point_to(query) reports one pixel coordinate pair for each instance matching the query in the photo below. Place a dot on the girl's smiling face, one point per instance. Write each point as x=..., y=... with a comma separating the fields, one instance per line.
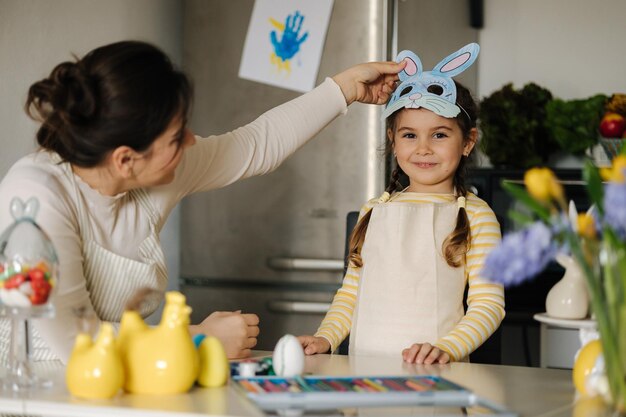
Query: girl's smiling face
x=428, y=148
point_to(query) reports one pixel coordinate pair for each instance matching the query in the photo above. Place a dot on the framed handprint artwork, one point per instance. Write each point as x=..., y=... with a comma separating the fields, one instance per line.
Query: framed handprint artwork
x=284, y=42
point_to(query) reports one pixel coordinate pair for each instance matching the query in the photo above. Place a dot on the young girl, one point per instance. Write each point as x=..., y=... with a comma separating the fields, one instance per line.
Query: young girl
x=415, y=247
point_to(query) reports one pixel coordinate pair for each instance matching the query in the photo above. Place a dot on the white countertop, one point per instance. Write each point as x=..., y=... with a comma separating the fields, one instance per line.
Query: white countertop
x=524, y=391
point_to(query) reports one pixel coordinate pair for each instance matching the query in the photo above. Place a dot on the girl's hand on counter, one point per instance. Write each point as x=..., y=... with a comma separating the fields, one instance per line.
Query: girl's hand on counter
x=238, y=332
x=425, y=353
x=370, y=83
x=313, y=345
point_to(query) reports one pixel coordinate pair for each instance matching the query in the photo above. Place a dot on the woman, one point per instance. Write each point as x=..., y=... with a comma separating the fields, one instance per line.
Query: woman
x=116, y=157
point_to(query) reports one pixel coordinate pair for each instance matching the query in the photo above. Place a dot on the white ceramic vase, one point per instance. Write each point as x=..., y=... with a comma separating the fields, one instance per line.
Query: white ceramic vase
x=568, y=299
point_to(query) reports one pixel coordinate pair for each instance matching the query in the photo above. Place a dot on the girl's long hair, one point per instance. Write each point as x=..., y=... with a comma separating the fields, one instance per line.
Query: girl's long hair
x=457, y=243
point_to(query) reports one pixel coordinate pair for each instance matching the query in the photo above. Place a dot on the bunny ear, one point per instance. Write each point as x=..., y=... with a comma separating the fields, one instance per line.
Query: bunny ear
x=31, y=208
x=16, y=207
x=459, y=61
x=413, y=65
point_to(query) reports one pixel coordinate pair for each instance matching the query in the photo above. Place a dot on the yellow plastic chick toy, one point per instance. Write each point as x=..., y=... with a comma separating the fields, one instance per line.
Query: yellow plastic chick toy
x=214, y=365
x=94, y=370
x=162, y=359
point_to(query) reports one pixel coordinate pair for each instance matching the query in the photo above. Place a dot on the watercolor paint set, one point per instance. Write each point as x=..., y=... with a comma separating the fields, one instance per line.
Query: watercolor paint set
x=313, y=392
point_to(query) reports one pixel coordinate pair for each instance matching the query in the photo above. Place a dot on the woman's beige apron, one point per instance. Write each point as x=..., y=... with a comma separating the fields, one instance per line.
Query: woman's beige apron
x=112, y=279
x=407, y=291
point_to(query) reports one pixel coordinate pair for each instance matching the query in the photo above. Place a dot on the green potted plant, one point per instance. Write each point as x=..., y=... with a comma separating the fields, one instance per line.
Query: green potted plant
x=514, y=132
x=574, y=123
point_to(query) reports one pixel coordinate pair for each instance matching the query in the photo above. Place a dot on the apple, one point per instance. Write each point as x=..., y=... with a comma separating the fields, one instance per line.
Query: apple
x=612, y=125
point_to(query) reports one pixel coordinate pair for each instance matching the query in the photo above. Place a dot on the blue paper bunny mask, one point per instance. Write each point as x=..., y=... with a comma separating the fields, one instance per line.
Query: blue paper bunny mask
x=413, y=91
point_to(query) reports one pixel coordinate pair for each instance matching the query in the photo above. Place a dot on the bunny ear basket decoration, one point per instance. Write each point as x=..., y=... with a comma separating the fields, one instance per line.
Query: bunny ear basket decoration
x=433, y=90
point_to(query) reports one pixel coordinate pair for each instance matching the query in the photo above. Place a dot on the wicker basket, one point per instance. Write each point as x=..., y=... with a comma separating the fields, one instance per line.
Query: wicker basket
x=612, y=146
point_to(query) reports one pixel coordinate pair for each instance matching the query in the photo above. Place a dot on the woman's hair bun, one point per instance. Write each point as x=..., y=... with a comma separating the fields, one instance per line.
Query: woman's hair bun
x=121, y=94
x=73, y=96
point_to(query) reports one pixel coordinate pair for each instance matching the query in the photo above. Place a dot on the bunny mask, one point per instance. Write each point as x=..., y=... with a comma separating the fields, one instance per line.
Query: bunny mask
x=413, y=91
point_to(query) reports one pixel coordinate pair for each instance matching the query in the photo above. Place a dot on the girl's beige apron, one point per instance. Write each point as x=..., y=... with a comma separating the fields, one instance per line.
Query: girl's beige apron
x=407, y=291
x=111, y=279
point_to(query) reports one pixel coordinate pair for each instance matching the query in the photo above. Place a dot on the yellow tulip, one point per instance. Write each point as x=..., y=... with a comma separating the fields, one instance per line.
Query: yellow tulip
x=586, y=226
x=616, y=172
x=543, y=185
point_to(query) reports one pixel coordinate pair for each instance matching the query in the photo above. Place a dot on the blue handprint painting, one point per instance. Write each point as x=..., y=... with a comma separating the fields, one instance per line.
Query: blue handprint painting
x=285, y=41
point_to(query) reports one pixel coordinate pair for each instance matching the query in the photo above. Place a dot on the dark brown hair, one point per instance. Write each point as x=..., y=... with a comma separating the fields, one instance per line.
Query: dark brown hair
x=121, y=94
x=457, y=243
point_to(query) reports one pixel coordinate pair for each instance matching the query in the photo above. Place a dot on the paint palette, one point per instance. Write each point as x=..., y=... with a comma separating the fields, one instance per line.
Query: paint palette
x=313, y=392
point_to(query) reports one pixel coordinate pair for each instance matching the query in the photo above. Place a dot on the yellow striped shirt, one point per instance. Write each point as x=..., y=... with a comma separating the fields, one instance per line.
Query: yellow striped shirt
x=485, y=299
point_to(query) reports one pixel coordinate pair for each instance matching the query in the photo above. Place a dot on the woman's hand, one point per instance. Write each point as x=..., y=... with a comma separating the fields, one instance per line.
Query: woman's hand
x=313, y=345
x=371, y=83
x=425, y=353
x=236, y=331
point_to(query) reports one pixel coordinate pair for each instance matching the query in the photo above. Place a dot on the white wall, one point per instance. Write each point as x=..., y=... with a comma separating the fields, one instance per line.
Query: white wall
x=35, y=35
x=574, y=48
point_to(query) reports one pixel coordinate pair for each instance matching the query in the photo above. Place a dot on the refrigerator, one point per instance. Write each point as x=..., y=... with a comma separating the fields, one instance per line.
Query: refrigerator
x=274, y=245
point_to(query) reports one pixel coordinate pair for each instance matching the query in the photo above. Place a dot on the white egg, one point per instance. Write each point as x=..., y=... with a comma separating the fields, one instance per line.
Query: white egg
x=288, y=358
x=14, y=298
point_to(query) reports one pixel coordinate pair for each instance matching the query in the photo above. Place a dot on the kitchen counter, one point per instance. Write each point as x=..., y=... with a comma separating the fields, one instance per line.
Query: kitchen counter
x=524, y=391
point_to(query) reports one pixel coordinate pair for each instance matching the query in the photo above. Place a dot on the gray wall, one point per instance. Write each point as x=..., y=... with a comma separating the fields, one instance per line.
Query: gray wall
x=420, y=24
x=35, y=35
x=575, y=48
